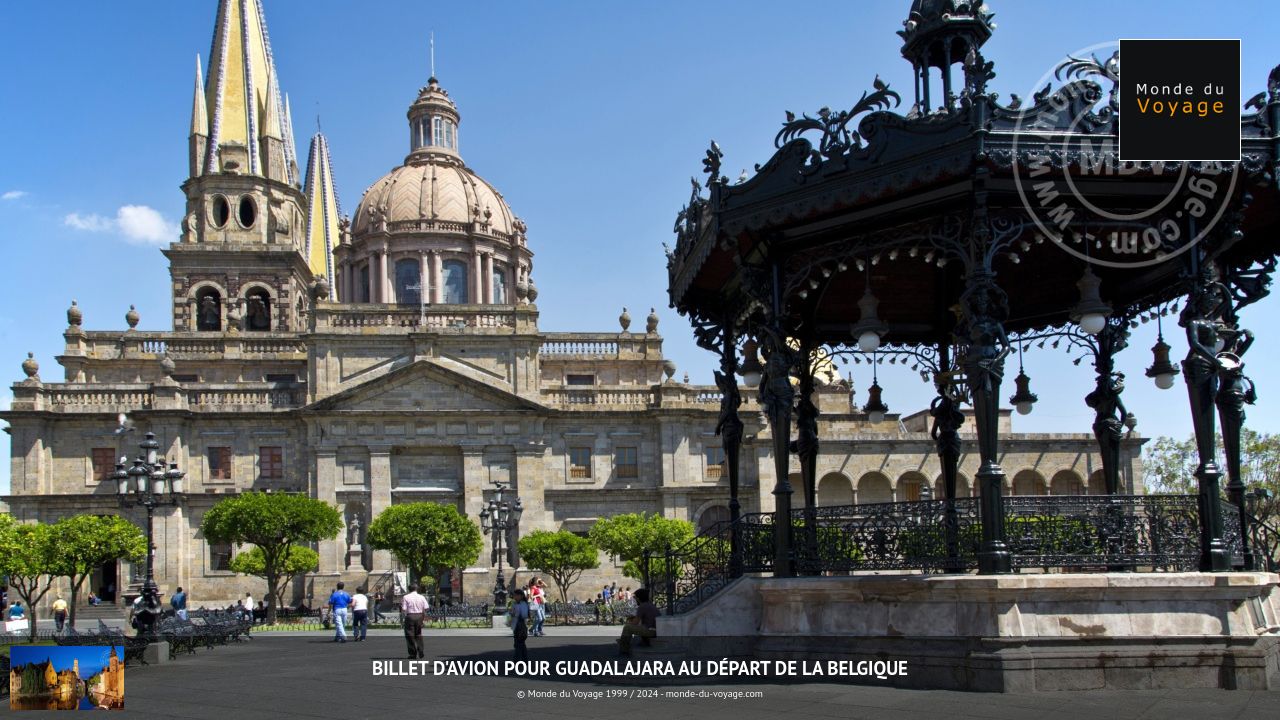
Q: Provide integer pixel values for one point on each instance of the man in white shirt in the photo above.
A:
(246, 607)
(360, 615)
(413, 609)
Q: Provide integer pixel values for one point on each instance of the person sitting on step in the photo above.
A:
(644, 623)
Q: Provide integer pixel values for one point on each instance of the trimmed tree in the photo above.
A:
(426, 537)
(84, 542)
(299, 560)
(631, 536)
(275, 523)
(562, 555)
(28, 555)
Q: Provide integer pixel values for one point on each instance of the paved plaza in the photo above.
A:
(301, 676)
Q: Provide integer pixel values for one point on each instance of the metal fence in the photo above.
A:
(1093, 533)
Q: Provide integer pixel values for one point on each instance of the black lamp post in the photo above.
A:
(148, 484)
(500, 518)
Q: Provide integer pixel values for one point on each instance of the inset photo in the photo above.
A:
(66, 677)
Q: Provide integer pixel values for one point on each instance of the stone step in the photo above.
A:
(99, 612)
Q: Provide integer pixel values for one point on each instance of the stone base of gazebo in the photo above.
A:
(1007, 633)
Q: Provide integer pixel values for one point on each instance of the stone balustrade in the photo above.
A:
(125, 398)
(702, 397)
(581, 348)
(243, 396)
(375, 317)
(106, 345)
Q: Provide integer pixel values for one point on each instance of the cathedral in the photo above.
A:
(394, 356)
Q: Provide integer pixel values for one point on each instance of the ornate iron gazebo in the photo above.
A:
(956, 234)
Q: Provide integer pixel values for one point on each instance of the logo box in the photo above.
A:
(1180, 100)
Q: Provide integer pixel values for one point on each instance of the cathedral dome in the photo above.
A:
(434, 190)
(431, 231)
(433, 193)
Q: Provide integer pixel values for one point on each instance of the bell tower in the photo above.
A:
(241, 262)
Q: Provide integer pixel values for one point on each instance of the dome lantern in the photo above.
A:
(433, 122)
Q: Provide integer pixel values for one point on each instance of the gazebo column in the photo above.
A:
(729, 428)
(1234, 391)
(984, 304)
(777, 396)
(947, 420)
(806, 449)
(1109, 412)
(1200, 370)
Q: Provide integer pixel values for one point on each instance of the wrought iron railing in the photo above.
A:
(688, 575)
(1264, 543)
(918, 535)
(1077, 533)
(1084, 532)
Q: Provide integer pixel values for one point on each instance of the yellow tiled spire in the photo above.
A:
(322, 211)
(199, 118)
(242, 97)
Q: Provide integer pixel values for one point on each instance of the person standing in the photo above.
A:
(339, 601)
(413, 608)
(246, 607)
(360, 615)
(179, 603)
(519, 617)
(59, 613)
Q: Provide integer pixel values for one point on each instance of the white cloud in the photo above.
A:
(13, 195)
(91, 223)
(145, 225)
(137, 224)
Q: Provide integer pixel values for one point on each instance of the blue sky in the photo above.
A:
(92, 659)
(588, 117)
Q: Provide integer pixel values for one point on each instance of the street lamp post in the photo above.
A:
(148, 484)
(499, 518)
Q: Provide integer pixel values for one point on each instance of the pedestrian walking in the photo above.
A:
(339, 601)
(537, 605)
(59, 613)
(359, 615)
(518, 618)
(413, 608)
(246, 607)
(179, 603)
(376, 607)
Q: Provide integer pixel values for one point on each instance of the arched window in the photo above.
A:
(209, 310)
(362, 281)
(408, 282)
(711, 517)
(1029, 482)
(909, 486)
(437, 130)
(835, 489)
(454, 278)
(257, 314)
(1066, 482)
(450, 139)
(874, 488)
(499, 285)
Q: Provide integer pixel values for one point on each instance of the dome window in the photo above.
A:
(408, 282)
(247, 212)
(499, 285)
(454, 280)
(221, 211)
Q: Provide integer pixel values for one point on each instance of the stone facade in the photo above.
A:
(409, 366)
